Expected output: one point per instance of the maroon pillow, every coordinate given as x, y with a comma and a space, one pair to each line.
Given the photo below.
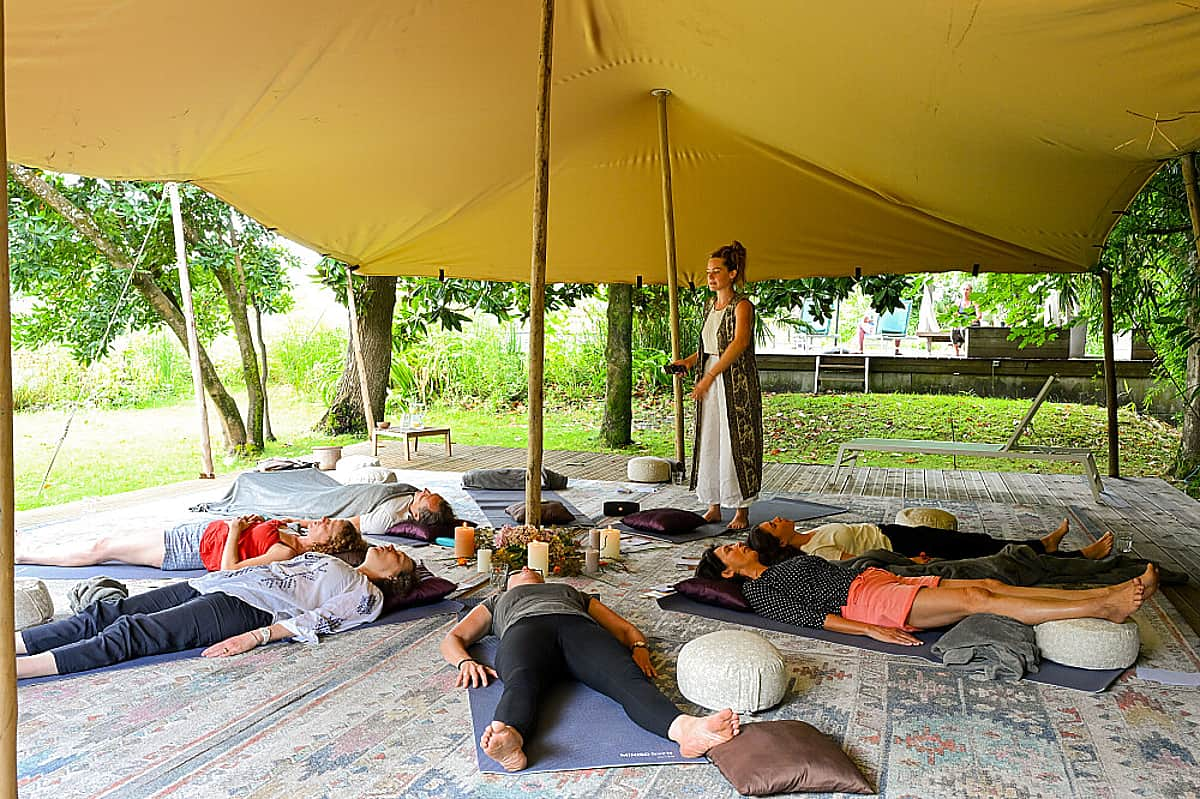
724, 593
429, 588
664, 520
407, 528
771, 757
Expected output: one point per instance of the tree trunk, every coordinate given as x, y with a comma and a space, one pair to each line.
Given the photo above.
262, 372
375, 310
1189, 443
235, 299
164, 305
616, 429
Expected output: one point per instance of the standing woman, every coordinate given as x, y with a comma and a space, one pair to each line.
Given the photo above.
727, 456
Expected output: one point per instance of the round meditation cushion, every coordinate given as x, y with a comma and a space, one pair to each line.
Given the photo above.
731, 668
648, 469
1089, 643
927, 517
31, 604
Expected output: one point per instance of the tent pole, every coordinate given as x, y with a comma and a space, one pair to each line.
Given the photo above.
1188, 162
8, 504
668, 202
537, 272
1110, 374
359, 362
193, 339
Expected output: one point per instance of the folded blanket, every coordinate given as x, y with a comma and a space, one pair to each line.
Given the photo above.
1018, 564
989, 647
510, 479
304, 493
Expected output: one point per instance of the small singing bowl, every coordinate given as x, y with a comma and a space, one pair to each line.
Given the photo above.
383, 425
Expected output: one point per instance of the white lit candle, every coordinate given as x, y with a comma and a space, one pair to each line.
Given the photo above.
484, 564
612, 543
539, 556
591, 561
464, 541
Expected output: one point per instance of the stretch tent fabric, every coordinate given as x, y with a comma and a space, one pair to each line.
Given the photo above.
397, 135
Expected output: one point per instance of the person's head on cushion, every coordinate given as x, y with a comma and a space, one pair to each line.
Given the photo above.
390, 570
767, 540
729, 562
330, 536
431, 511
526, 576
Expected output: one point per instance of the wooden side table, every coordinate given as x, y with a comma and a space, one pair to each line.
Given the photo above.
412, 436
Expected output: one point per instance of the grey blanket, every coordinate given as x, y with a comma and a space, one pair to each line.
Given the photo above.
989, 647
306, 494
1018, 564
510, 479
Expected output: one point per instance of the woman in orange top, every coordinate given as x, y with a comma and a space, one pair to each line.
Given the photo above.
215, 545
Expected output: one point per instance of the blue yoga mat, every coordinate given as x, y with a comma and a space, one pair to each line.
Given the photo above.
578, 728
395, 617
787, 507
493, 502
1051, 673
121, 571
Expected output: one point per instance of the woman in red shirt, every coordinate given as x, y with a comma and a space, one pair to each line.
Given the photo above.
211, 544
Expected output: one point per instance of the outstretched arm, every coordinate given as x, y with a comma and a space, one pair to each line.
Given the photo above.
454, 648
888, 635
244, 642
621, 629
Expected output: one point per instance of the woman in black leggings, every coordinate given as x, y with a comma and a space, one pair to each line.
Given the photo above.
548, 632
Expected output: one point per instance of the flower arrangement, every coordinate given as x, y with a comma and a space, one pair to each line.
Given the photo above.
509, 544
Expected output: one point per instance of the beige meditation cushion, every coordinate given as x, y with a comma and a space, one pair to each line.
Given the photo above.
648, 469
31, 604
1089, 643
731, 668
927, 517
363, 474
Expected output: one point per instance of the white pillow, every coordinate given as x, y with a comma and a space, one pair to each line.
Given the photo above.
351, 462
364, 474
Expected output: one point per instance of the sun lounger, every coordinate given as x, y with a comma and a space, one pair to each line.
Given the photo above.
848, 452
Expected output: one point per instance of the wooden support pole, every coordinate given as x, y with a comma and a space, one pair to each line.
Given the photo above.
1110, 375
1188, 162
359, 362
193, 338
668, 202
8, 503
537, 271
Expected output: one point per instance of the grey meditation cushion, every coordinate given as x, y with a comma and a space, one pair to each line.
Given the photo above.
648, 469
927, 517
1089, 643
31, 604
731, 668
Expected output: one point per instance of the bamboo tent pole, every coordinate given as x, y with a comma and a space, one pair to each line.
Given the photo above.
668, 202
193, 338
1110, 375
8, 504
359, 362
1188, 162
537, 271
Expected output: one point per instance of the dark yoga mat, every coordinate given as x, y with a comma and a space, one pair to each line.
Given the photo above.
444, 606
493, 502
787, 507
1050, 673
121, 571
578, 728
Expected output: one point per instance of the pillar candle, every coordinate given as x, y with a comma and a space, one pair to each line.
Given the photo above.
591, 561
612, 543
484, 564
464, 541
594, 539
539, 556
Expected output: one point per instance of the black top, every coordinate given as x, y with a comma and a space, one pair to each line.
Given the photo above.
801, 590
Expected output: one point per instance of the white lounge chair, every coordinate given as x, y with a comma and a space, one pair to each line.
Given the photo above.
848, 452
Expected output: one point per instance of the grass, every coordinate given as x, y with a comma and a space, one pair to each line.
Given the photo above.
110, 451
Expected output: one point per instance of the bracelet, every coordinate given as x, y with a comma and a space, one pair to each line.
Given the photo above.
265, 634
639, 645
465, 660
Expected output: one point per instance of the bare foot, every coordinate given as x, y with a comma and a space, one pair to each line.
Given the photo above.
696, 735
1052, 539
503, 743
1127, 597
741, 520
1098, 548
1149, 580
713, 514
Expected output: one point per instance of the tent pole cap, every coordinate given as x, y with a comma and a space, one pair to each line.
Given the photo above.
661, 92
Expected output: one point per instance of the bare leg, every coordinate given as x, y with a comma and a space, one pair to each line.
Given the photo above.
503, 744
713, 514
141, 549
697, 734
1026, 591
41, 665
1052, 539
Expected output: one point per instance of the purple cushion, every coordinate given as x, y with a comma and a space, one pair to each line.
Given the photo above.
429, 588
408, 528
664, 520
723, 593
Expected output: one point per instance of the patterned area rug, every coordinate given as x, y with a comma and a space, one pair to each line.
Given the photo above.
373, 712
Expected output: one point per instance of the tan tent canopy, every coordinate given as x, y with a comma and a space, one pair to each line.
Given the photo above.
396, 134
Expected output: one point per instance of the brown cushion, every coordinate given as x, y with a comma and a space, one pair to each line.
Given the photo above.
553, 512
772, 757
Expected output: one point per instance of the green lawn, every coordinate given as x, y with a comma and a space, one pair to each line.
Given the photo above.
110, 451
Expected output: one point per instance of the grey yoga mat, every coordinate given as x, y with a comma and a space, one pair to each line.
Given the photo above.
122, 571
578, 728
493, 502
765, 510
1050, 673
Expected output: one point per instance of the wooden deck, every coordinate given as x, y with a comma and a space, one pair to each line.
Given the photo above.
1163, 521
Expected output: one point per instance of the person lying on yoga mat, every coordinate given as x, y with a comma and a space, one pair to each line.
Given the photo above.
809, 591
778, 540
212, 544
548, 632
424, 507
229, 612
